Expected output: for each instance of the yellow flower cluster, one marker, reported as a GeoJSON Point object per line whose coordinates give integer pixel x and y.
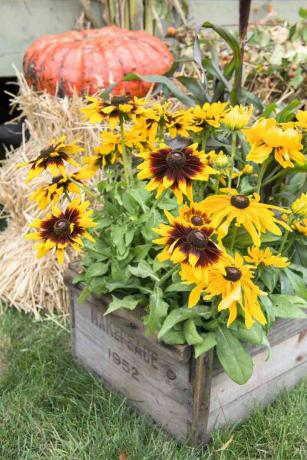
{"type": "Point", "coordinates": [170, 150]}
{"type": "Point", "coordinates": [299, 210]}
{"type": "Point", "coordinates": [283, 140]}
{"type": "Point", "coordinates": [60, 229]}
{"type": "Point", "coordinates": [194, 240]}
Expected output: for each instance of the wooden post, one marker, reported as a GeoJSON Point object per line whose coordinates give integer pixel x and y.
{"type": "Point", "coordinates": [244, 10]}
{"type": "Point", "coordinates": [201, 398]}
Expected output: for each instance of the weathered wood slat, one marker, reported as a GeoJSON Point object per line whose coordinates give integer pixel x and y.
{"type": "Point", "coordinates": [285, 355]}
{"type": "Point", "coordinates": [188, 397]}
{"type": "Point", "coordinates": [155, 381]}
{"type": "Point", "coordinates": [236, 411]}
{"type": "Point", "coordinates": [183, 352]}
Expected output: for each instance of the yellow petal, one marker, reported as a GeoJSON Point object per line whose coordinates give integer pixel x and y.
{"type": "Point", "coordinates": [194, 296]}
{"type": "Point", "coordinates": [234, 296]}
{"type": "Point", "coordinates": [60, 256]}
{"type": "Point", "coordinates": [33, 236]}
{"type": "Point", "coordinates": [193, 259]}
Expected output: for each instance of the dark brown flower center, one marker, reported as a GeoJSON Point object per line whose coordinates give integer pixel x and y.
{"type": "Point", "coordinates": [176, 159]}
{"type": "Point", "coordinates": [233, 274]}
{"type": "Point", "coordinates": [46, 152]}
{"type": "Point", "coordinates": [239, 201]}
{"type": "Point", "coordinates": [116, 100]}
{"type": "Point", "coordinates": [198, 239]}
{"type": "Point", "coordinates": [57, 179]}
{"type": "Point", "coordinates": [61, 227]}
{"type": "Point", "coordinates": [197, 221]}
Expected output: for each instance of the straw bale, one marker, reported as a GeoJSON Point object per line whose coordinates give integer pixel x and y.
{"type": "Point", "coordinates": [31, 284]}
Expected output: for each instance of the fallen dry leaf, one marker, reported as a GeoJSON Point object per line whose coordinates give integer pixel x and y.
{"type": "Point", "coordinates": [227, 444]}
{"type": "Point", "coordinates": [122, 456]}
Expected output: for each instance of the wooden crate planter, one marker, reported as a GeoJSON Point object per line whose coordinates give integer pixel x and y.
{"type": "Point", "coordinates": [187, 397]}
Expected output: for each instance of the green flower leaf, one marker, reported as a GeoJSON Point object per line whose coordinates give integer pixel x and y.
{"type": "Point", "coordinates": [128, 302]}
{"type": "Point", "coordinates": [141, 196]}
{"type": "Point", "coordinates": [235, 360]}
{"type": "Point", "coordinates": [289, 306]}
{"type": "Point", "coordinates": [178, 315]}
{"type": "Point", "coordinates": [163, 81]}
{"type": "Point", "coordinates": [269, 276]}
{"type": "Point", "coordinates": [193, 85]}
{"type": "Point", "coordinates": [190, 332]}
{"type": "Point", "coordinates": [78, 278]}
{"type": "Point", "coordinates": [178, 287]}
{"type": "Point", "coordinates": [157, 311]}
{"type": "Point", "coordinates": [174, 338]}
{"type": "Point", "coordinates": [96, 269]}
{"type": "Point", "coordinates": [208, 341]}
{"type": "Point", "coordinates": [85, 293]}
{"type": "Point", "coordinates": [298, 284]}
{"type": "Point", "coordinates": [143, 270]}
{"type": "Point", "coordinates": [117, 234]}
{"type": "Point", "coordinates": [253, 335]}
{"type": "Point", "coordinates": [141, 251]}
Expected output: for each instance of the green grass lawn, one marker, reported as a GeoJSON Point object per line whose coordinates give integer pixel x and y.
{"type": "Point", "coordinates": [50, 409]}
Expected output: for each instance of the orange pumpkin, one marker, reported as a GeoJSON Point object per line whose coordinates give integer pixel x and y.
{"type": "Point", "coordinates": [89, 60]}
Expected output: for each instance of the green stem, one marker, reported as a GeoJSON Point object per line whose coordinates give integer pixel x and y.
{"type": "Point", "coordinates": [217, 185]}
{"type": "Point", "coordinates": [233, 238]}
{"type": "Point", "coordinates": [88, 191]}
{"type": "Point", "coordinates": [289, 246]}
{"type": "Point", "coordinates": [283, 242]}
{"type": "Point", "coordinates": [157, 201]}
{"type": "Point", "coordinates": [67, 195]}
{"type": "Point", "coordinates": [233, 154]}
{"type": "Point", "coordinates": [261, 174]}
{"type": "Point", "coordinates": [167, 275]}
{"type": "Point", "coordinates": [272, 178]}
{"type": "Point", "coordinates": [148, 19]}
{"type": "Point", "coordinates": [274, 171]}
{"type": "Point", "coordinates": [203, 144]}
{"type": "Point", "coordinates": [127, 165]}
{"type": "Point", "coordinates": [161, 131]}
{"type": "Point", "coordinates": [132, 11]}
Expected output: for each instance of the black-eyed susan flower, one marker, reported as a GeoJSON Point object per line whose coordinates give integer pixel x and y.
{"type": "Point", "coordinates": [268, 137]}
{"type": "Point", "coordinates": [108, 153]}
{"type": "Point", "coordinates": [119, 107]}
{"type": "Point", "coordinates": [254, 216]}
{"type": "Point", "coordinates": [186, 244]}
{"type": "Point", "coordinates": [148, 125]}
{"type": "Point", "coordinates": [238, 117]}
{"type": "Point", "coordinates": [265, 256]}
{"type": "Point", "coordinates": [300, 226]}
{"type": "Point", "coordinates": [232, 281]}
{"type": "Point", "coordinates": [199, 279]}
{"type": "Point", "coordinates": [175, 169]}
{"type": "Point", "coordinates": [301, 117]}
{"type": "Point", "coordinates": [53, 158]}
{"type": "Point", "coordinates": [59, 229]}
{"type": "Point", "coordinates": [208, 115]}
{"type": "Point", "coordinates": [179, 123]}
{"type": "Point", "coordinates": [299, 206]}
{"type": "Point", "coordinates": [58, 186]}
{"type": "Point", "coordinates": [151, 120]}
{"type": "Point", "coordinates": [194, 214]}
{"type": "Point", "coordinates": [110, 150]}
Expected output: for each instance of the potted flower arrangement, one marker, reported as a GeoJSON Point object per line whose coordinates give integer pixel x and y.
{"type": "Point", "coordinates": [195, 216]}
